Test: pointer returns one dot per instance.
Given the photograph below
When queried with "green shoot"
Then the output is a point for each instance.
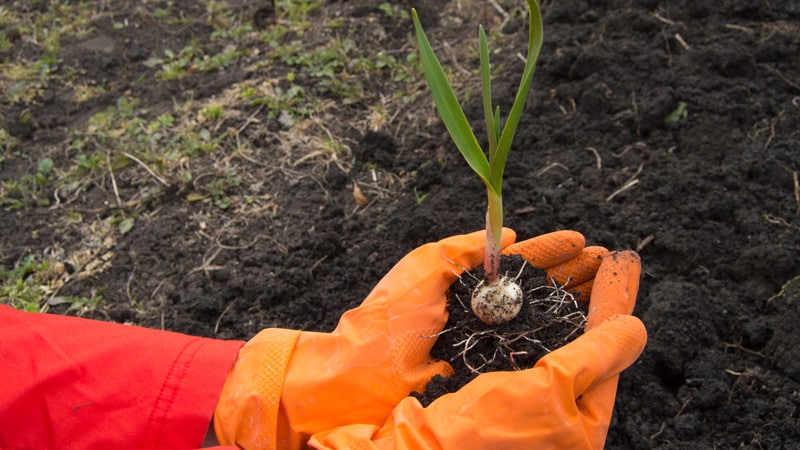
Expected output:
(500, 136)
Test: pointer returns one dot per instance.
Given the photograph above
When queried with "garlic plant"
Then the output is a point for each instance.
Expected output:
(504, 297)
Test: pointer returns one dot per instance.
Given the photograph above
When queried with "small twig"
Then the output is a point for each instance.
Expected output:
(663, 19)
(683, 43)
(436, 335)
(161, 301)
(780, 293)
(453, 60)
(632, 181)
(644, 242)
(158, 287)
(732, 26)
(207, 267)
(113, 179)
(624, 188)
(316, 264)
(219, 319)
(634, 103)
(660, 430)
(161, 307)
(551, 166)
(622, 153)
(128, 290)
(738, 347)
(683, 406)
(598, 160)
(501, 11)
(779, 221)
(796, 192)
(513, 361)
(250, 119)
(139, 161)
(783, 77)
(751, 374)
(772, 130)
(668, 50)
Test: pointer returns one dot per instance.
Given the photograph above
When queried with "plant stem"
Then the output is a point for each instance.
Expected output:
(494, 236)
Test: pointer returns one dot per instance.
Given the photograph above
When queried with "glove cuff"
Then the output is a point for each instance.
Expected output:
(248, 407)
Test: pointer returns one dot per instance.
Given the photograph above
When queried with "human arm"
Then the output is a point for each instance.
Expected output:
(90, 383)
(77, 383)
(138, 385)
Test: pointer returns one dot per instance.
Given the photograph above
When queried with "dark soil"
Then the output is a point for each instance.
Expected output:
(709, 199)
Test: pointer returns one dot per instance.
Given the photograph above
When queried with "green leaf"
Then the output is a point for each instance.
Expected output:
(496, 128)
(45, 166)
(126, 225)
(535, 37)
(486, 85)
(680, 112)
(449, 109)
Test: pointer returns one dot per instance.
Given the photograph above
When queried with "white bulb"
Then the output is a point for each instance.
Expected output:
(497, 303)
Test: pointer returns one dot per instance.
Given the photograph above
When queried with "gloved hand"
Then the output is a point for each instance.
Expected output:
(564, 402)
(287, 385)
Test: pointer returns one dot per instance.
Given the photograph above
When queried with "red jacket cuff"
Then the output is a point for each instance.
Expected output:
(77, 383)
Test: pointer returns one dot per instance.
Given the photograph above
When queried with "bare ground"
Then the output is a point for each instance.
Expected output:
(671, 128)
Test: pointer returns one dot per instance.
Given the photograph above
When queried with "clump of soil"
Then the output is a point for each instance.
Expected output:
(550, 318)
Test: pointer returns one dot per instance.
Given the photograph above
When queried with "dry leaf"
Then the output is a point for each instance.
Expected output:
(359, 196)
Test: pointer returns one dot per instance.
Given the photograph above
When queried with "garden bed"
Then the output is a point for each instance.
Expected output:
(182, 166)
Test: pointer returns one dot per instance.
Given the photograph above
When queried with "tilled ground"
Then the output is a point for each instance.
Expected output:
(666, 127)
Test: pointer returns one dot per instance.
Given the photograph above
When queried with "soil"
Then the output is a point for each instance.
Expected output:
(550, 317)
(708, 197)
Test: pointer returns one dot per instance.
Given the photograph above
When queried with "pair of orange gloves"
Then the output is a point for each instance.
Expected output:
(349, 389)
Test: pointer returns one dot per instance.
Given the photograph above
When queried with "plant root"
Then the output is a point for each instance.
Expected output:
(560, 319)
(551, 317)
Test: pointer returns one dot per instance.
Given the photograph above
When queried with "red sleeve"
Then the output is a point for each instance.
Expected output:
(74, 383)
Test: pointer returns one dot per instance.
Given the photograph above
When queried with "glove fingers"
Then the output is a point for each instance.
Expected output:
(431, 269)
(426, 372)
(580, 269)
(521, 409)
(392, 327)
(549, 249)
(583, 291)
(412, 364)
(599, 354)
(615, 287)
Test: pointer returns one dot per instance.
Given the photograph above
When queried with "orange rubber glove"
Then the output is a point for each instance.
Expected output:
(287, 385)
(564, 402)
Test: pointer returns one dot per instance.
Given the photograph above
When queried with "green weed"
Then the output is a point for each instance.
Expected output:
(191, 59)
(18, 288)
(28, 190)
(23, 80)
(22, 287)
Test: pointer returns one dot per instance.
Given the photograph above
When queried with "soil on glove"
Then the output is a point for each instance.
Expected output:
(550, 318)
(667, 127)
